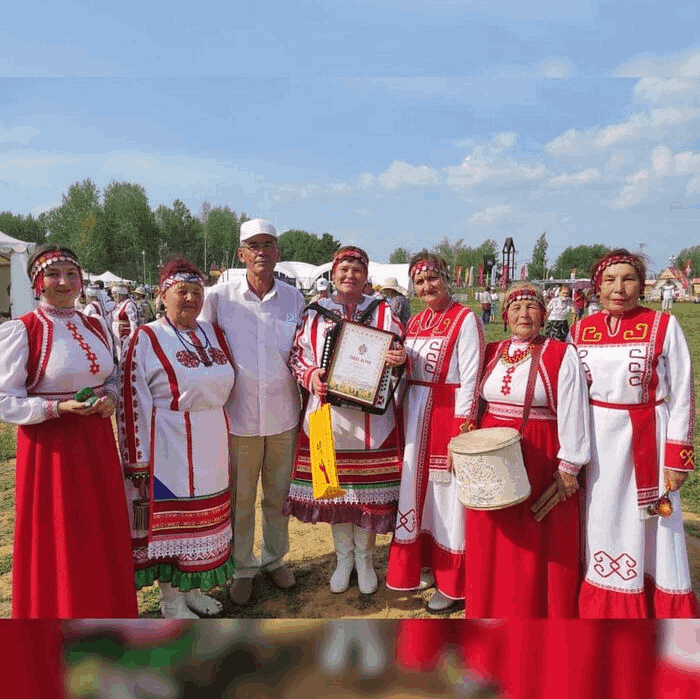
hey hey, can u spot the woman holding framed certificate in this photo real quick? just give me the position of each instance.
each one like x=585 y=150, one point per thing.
x=368 y=444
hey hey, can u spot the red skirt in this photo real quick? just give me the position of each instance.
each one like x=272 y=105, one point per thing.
x=575 y=659
x=30 y=658
x=515 y=566
x=72 y=551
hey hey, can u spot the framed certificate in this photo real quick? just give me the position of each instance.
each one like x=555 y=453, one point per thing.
x=357 y=372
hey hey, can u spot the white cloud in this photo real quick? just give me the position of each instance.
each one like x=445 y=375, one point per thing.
x=489 y=214
x=401 y=174
x=186 y=172
x=663 y=164
x=582 y=177
x=18 y=134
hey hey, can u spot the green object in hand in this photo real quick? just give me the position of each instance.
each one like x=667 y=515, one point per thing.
x=86 y=395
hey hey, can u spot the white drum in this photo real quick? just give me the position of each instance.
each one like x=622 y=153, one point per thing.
x=489 y=468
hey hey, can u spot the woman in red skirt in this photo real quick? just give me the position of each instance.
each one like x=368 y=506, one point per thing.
x=72 y=552
x=517 y=566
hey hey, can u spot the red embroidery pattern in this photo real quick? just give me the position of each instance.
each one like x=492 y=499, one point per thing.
x=218 y=356
x=91 y=356
x=624 y=565
x=507 y=378
x=407 y=520
x=188 y=359
x=191 y=361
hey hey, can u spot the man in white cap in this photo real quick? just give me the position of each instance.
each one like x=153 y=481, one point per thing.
x=259 y=315
x=322 y=290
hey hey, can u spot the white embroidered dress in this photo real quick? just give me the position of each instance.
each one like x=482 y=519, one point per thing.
x=642 y=404
x=445 y=351
x=173 y=427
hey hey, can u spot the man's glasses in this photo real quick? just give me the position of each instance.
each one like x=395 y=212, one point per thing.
x=260 y=247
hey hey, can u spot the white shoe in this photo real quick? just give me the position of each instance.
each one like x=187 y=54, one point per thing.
x=173 y=603
x=202 y=604
x=366 y=575
x=440 y=603
x=344 y=545
x=427 y=579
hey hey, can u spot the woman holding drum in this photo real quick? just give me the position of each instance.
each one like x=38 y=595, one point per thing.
x=445 y=346
x=642 y=414
x=368 y=447
x=517 y=566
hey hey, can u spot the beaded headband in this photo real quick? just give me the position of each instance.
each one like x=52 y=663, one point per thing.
x=597 y=273
x=187 y=277
x=49 y=258
x=522 y=294
x=353 y=255
x=428 y=265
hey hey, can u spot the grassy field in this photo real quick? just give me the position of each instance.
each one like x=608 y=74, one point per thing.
x=688 y=315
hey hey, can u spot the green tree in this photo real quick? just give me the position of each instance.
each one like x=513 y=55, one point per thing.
x=129 y=235
x=538 y=263
x=692 y=254
x=581 y=257
x=178 y=230
x=301 y=246
x=75 y=221
x=222 y=230
x=28 y=229
x=400 y=256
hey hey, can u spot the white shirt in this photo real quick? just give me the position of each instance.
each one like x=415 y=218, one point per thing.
x=265 y=399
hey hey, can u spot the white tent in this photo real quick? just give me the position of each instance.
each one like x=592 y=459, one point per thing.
x=106 y=277
x=13 y=275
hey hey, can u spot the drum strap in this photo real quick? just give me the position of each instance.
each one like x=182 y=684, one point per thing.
x=537 y=347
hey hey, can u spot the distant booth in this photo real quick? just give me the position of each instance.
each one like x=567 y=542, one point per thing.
x=671 y=276
x=16 y=297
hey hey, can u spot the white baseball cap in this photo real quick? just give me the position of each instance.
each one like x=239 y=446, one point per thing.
x=257 y=226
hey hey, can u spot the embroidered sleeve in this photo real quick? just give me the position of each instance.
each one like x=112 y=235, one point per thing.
x=573 y=421
x=51 y=409
x=16 y=406
x=304 y=359
x=680 y=454
x=135 y=404
x=470 y=355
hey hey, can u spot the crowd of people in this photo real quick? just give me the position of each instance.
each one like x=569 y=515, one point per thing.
x=215 y=396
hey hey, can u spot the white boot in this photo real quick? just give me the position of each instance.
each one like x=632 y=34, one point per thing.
x=173 y=603
x=344 y=550
x=364 y=545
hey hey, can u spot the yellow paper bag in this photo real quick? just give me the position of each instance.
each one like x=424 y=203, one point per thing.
x=324 y=475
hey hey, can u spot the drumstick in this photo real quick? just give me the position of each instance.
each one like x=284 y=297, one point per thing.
x=550 y=498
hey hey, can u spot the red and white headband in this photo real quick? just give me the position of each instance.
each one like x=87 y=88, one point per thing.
x=523 y=294
x=353 y=255
x=597 y=275
x=49 y=258
x=186 y=277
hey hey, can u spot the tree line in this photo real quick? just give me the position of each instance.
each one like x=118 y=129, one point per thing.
x=117 y=230
x=579 y=257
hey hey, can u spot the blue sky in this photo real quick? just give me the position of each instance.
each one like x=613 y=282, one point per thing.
x=384 y=122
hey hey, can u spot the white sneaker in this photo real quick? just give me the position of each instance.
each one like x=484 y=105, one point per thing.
x=427 y=579
x=440 y=603
x=173 y=603
x=202 y=604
